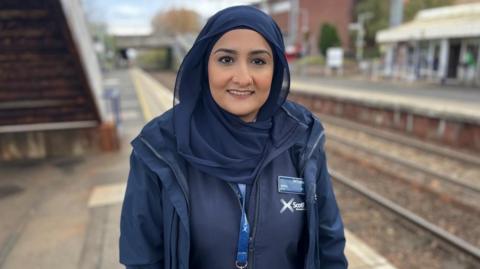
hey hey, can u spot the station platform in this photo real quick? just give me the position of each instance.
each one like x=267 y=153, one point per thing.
x=433 y=100
x=445 y=115
x=64 y=213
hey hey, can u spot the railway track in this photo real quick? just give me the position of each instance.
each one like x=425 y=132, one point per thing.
x=409 y=164
x=435 y=230
x=464 y=157
x=467 y=255
x=439 y=171
x=406 y=174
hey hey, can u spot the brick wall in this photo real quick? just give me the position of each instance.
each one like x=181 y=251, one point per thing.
x=449 y=131
x=336 y=12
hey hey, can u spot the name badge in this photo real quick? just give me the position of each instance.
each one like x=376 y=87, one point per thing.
x=291 y=185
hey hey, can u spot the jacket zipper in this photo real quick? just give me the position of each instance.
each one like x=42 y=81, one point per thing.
x=177 y=175
x=251 y=249
x=315 y=145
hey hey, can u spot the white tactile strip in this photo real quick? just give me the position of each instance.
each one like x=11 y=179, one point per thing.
x=365 y=257
x=130 y=115
x=110 y=194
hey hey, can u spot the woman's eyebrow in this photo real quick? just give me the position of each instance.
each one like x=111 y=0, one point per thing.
x=226 y=50
x=261 y=51
x=253 y=52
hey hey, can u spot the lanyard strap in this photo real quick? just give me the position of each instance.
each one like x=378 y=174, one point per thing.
x=244 y=234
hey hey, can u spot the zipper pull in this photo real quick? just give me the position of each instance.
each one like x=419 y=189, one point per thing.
x=250 y=244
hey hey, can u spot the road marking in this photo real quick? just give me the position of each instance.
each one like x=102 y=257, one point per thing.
x=110 y=194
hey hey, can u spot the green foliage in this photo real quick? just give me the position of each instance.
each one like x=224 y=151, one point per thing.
x=371 y=52
x=153 y=59
x=380 y=9
x=328 y=38
x=311 y=60
x=412 y=7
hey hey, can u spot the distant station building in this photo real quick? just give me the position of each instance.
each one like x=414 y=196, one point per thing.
x=301 y=20
x=440 y=44
x=51 y=92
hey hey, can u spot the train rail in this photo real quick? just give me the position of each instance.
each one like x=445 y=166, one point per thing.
x=440 y=234
x=453 y=168
x=464 y=157
x=409 y=164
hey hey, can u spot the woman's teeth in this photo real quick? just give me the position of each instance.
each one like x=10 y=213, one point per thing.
x=241 y=93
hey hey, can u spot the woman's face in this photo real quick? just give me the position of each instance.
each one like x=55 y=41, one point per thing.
x=240 y=71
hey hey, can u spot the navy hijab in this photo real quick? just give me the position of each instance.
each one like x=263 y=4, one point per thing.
x=211 y=139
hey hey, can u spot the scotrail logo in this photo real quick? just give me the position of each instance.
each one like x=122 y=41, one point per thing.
x=292 y=206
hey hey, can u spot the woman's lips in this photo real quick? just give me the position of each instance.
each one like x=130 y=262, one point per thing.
x=240 y=93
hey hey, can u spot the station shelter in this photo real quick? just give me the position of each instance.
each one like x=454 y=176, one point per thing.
x=439 y=44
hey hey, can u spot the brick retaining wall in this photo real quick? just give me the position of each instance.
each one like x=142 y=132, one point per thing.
x=453 y=132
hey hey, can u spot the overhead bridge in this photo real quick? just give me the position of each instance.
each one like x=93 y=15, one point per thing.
x=177 y=45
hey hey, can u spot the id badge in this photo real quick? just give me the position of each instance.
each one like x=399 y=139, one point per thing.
x=293 y=185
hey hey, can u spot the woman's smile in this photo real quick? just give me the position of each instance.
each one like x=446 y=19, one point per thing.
x=241 y=94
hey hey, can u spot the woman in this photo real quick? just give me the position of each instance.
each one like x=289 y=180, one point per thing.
x=234 y=176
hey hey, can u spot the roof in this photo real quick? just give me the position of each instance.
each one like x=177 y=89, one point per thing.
x=459 y=21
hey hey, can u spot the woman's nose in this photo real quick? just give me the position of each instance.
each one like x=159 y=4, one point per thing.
x=242 y=76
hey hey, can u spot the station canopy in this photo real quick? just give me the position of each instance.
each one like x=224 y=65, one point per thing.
x=460 y=21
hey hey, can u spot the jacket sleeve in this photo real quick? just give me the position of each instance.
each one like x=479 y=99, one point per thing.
x=331 y=240
x=141 y=223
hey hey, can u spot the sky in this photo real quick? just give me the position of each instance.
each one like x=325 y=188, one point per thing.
x=135 y=15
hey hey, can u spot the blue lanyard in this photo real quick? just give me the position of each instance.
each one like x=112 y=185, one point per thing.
x=244 y=234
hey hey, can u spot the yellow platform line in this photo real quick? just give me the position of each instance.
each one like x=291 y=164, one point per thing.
x=161 y=93
x=154 y=98
x=147 y=113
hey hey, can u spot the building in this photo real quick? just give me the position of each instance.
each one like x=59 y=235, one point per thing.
x=440 y=44
x=300 y=20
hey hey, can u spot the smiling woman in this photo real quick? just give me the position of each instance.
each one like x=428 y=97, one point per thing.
x=234 y=175
x=240 y=70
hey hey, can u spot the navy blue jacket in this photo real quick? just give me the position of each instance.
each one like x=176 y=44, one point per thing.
x=155 y=228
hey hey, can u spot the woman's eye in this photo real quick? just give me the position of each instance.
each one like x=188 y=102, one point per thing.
x=258 y=61
x=226 y=60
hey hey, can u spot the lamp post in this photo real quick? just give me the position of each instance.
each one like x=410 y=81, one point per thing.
x=305 y=29
x=359 y=27
x=293 y=22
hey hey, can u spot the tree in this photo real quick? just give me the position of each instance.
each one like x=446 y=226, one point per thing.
x=413 y=7
x=380 y=9
x=176 y=21
x=328 y=38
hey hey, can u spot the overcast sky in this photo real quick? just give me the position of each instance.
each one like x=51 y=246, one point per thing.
x=137 y=14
